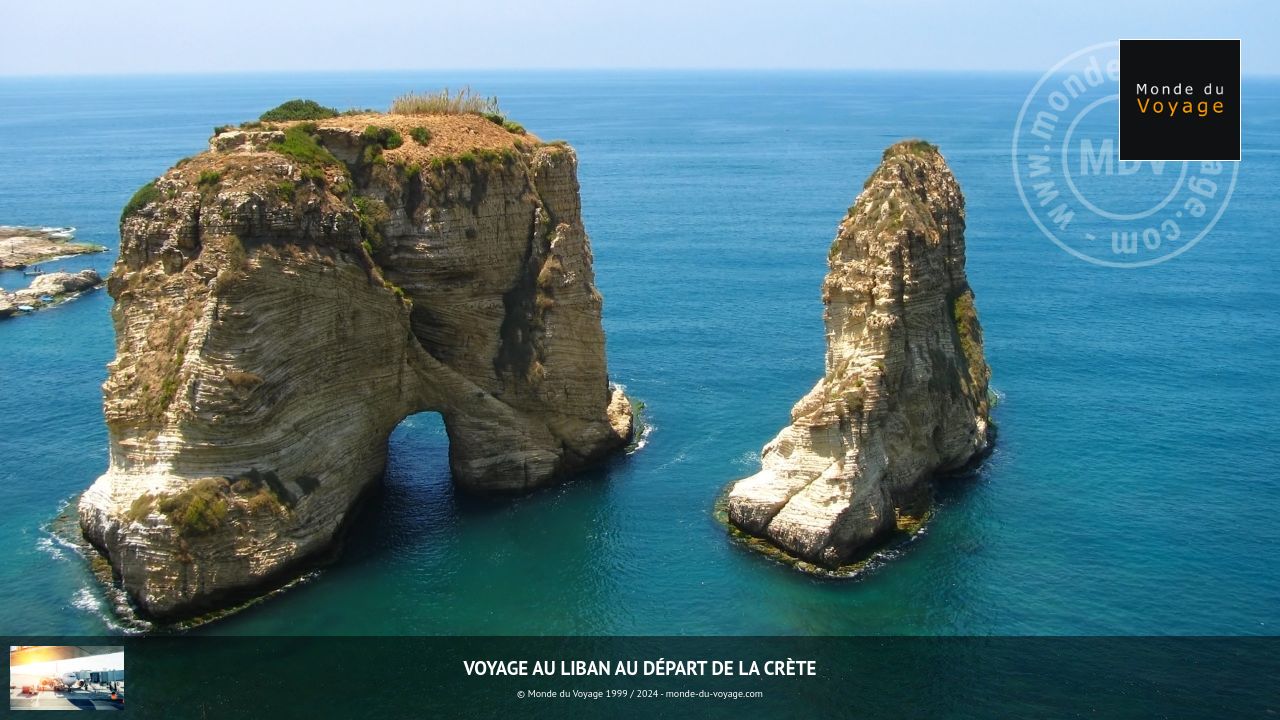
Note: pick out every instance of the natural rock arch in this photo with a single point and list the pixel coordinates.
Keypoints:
(277, 315)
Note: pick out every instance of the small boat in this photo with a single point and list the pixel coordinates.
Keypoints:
(33, 270)
(26, 308)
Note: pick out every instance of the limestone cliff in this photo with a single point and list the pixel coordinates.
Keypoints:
(904, 395)
(285, 299)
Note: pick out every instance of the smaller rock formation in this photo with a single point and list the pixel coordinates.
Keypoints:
(48, 289)
(23, 246)
(904, 396)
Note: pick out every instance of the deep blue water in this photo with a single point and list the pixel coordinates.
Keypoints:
(1133, 491)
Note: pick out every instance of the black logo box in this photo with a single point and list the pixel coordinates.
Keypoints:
(1187, 68)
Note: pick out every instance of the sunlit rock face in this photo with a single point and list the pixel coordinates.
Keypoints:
(904, 396)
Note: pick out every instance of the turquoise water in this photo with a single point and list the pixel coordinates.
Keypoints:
(1133, 490)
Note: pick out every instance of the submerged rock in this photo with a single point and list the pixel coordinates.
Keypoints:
(284, 300)
(904, 396)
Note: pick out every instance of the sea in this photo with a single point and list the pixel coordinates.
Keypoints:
(1132, 491)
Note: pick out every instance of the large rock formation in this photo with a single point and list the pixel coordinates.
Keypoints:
(904, 396)
(284, 300)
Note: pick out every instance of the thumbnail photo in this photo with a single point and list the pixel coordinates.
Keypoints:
(66, 677)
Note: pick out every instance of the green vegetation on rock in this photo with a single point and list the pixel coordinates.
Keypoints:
(420, 135)
(410, 169)
(379, 139)
(255, 483)
(209, 178)
(261, 497)
(915, 147)
(372, 213)
(388, 138)
(285, 190)
(198, 510)
(300, 143)
(298, 109)
(508, 125)
(141, 507)
(474, 159)
(143, 197)
(965, 314)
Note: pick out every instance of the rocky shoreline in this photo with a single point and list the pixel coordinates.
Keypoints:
(21, 247)
(46, 290)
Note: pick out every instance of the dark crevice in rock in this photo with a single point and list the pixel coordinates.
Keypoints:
(520, 333)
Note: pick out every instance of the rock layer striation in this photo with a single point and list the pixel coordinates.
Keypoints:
(284, 300)
(905, 393)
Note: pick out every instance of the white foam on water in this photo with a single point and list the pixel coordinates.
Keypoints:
(54, 546)
(749, 459)
(646, 429)
(679, 458)
(86, 601)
